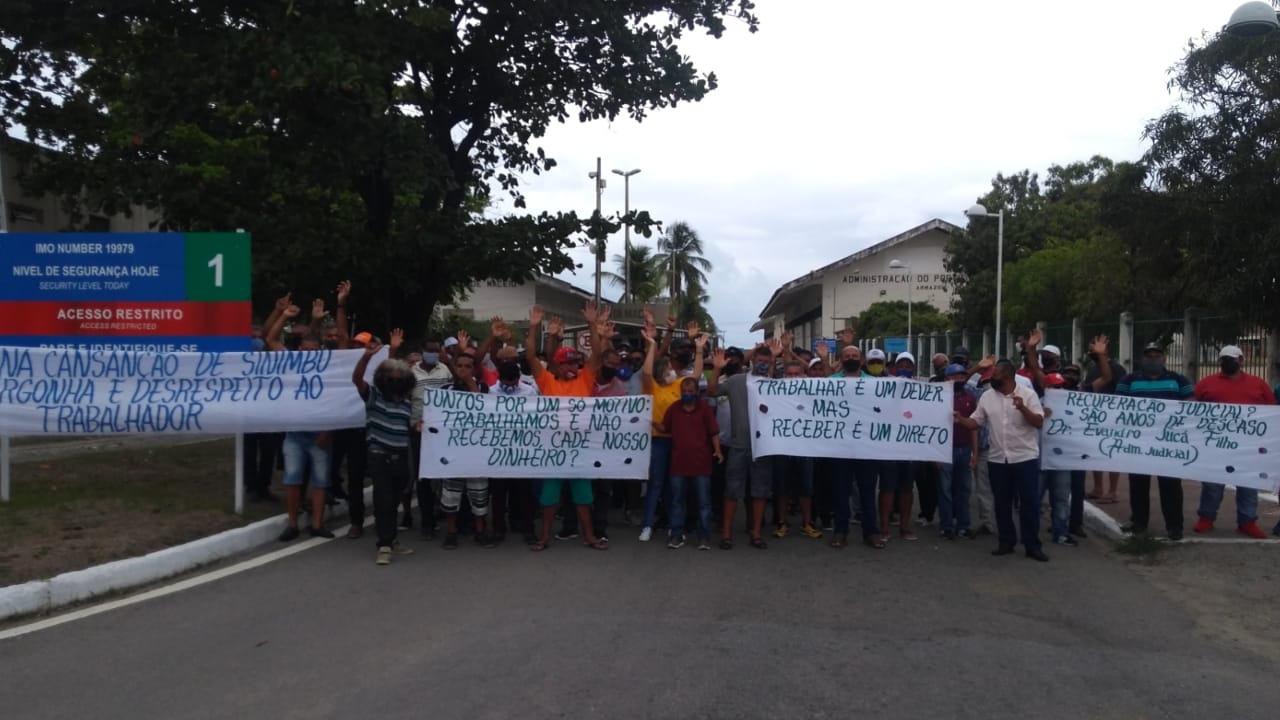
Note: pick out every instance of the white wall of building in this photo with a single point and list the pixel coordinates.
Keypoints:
(849, 290)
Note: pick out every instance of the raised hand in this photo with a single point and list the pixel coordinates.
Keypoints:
(648, 317)
(536, 316)
(555, 327)
(846, 336)
(822, 351)
(987, 362)
(372, 348)
(464, 340)
(718, 360)
(671, 322)
(292, 311)
(397, 339)
(775, 346)
(787, 339)
(691, 329)
(590, 312)
(284, 302)
(317, 308)
(1099, 345)
(344, 290)
(650, 335)
(1033, 339)
(608, 331)
(700, 341)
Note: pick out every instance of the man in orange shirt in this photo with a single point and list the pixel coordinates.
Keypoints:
(567, 377)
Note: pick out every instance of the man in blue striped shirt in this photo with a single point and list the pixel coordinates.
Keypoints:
(1154, 380)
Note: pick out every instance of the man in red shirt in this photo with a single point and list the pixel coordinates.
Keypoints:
(695, 441)
(1236, 387)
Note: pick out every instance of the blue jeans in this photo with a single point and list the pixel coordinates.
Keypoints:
(864, 473)
(300, 452)
(702, 483)
(1024, 479)
(1057, 484)
(1211, 500)
(659, 472)
(954, 488)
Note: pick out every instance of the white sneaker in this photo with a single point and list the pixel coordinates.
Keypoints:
(384, 556)
(645, 534)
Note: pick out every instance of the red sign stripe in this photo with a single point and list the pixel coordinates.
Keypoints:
(136, 318)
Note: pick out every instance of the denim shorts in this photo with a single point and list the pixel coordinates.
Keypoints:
(896, 476)
(300, 454)
(741, 471)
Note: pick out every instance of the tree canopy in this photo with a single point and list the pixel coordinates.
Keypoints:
(351, 139)
(889, 319)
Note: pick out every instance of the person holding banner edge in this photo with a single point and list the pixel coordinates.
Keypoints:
(860, 471)
(743, 472)
(1014, 415)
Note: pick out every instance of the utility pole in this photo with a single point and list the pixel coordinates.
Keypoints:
(598, 242)
(626, 233)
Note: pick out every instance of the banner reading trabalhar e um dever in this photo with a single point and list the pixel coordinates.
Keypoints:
(466, 434)
(98, 392)
(865, 417)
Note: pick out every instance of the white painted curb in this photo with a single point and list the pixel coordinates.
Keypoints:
(71, 587)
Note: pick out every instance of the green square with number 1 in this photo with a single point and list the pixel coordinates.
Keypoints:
(218, 266)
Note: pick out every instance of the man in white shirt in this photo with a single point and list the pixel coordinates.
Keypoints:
(1013, 416)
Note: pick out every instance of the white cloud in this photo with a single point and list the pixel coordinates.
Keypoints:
(842, 123)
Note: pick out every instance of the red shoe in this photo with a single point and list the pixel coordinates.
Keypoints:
(1251, 529)
(1203, 525)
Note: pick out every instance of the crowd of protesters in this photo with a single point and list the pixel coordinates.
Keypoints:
(701, 462)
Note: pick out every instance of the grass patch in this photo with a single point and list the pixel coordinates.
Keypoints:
(83, 510)
(1142, 546)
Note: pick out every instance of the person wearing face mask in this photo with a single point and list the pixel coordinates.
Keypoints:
(695, 442)
(1014, 416)
(1072, 378)
(898, 476)
(850, 471)
(608, 384)
(744, 475)
(662, 378)
(512, 497)
(262, 449)
(940, 362)
(875, 363)
(733, 365)
(1231, 385)
(432, 373)
(955, 481)
(793, 477)
(1154, 380)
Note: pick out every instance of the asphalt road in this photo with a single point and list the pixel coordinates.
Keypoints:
(922, 630)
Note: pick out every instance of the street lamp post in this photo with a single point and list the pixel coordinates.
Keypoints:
(899, 265)
(1253, 19)
(626, 231)
(977, 210)
(598, 247)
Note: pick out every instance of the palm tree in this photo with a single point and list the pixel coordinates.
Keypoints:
(681, 253)
(648, 276)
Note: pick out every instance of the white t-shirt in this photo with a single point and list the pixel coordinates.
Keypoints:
(1013, 439)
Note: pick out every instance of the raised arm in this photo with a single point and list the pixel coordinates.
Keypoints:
(340, 315)
(718, 361)
(669, 337)
(650, 353)
(1033, 358)
(317, 317)
(281, 304)
(273, 337)
(357, 375)
(531, 342)
(1105, 376)
(699, 353)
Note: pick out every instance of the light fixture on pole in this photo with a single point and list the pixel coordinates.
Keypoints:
(978, 210)
(597, 242)
(1253, 19)
(626, 232)
(899, 265)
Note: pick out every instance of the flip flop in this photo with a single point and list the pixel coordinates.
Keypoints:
(1108, 500)
(1093, 496)
(908, 535)
(537, 546)
(759, 544)
(875, 542)
(726, 544)
(597, 545)
(837, 542)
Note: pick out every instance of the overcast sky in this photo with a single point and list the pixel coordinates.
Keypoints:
(842, 123)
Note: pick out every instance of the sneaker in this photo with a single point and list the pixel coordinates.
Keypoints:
(566, 534)
(290, 533)
(1251, 529)
(1175, 535)
(1066, 540)
(926, 521)
(399, 549)
(1203, 525)
(603, 538)
(326, 533)
(782, 531)
(384, 556)
(704, 544)
(406, 522)
(948, 535)
(646, 534)
(451, 541)
(967, 534)
(676, 542)
(1131, 528)
(1078, 532)
(808, 530)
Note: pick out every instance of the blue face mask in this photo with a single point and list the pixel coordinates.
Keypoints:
(259, 344)
(688, 397)
(507, 389)
(904, 372)
(430, 358)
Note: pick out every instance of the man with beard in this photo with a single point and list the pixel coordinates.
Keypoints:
(389, 409)
(1235, 386)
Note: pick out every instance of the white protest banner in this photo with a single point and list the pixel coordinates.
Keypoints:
(100, 392)
(467, 434)
(1210, 442)
(870, 418)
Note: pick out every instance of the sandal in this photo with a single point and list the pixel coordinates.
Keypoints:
(839, 541)
(759, 543)
(875, 541)
(597, 545)
(1093, 496)
(726, 544)
(1108, 500)
(537, 546)
(908, 535)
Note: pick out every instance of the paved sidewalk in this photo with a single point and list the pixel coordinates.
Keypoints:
(1224, 527)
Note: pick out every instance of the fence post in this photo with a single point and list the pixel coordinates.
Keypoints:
(1008, 342)
(1077, 340)
(964, 339)
(933, 346)
(1191, 344)
(1126, 340)
(1273, 356)
(986, 341)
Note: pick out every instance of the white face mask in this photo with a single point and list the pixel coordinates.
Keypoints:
(669, 378)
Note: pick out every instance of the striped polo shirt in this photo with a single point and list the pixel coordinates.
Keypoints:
(1166, 386)
(388, 422)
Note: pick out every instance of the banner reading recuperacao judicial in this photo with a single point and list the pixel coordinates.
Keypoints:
(104, 391)
(1209, 442)
(869, 418)
(468, 434)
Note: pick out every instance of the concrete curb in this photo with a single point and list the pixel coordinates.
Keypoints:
(41, 596)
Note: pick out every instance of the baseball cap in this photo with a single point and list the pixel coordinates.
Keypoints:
(905, 356)
(956, 369)
(1054, 380)
(814, 361)
(1152, 347)
(450, 342)
(1231, 351)
(364, 338)
(734, 352)
(961, 352)
(565, 355)
(1052, 350)
(875, 354)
